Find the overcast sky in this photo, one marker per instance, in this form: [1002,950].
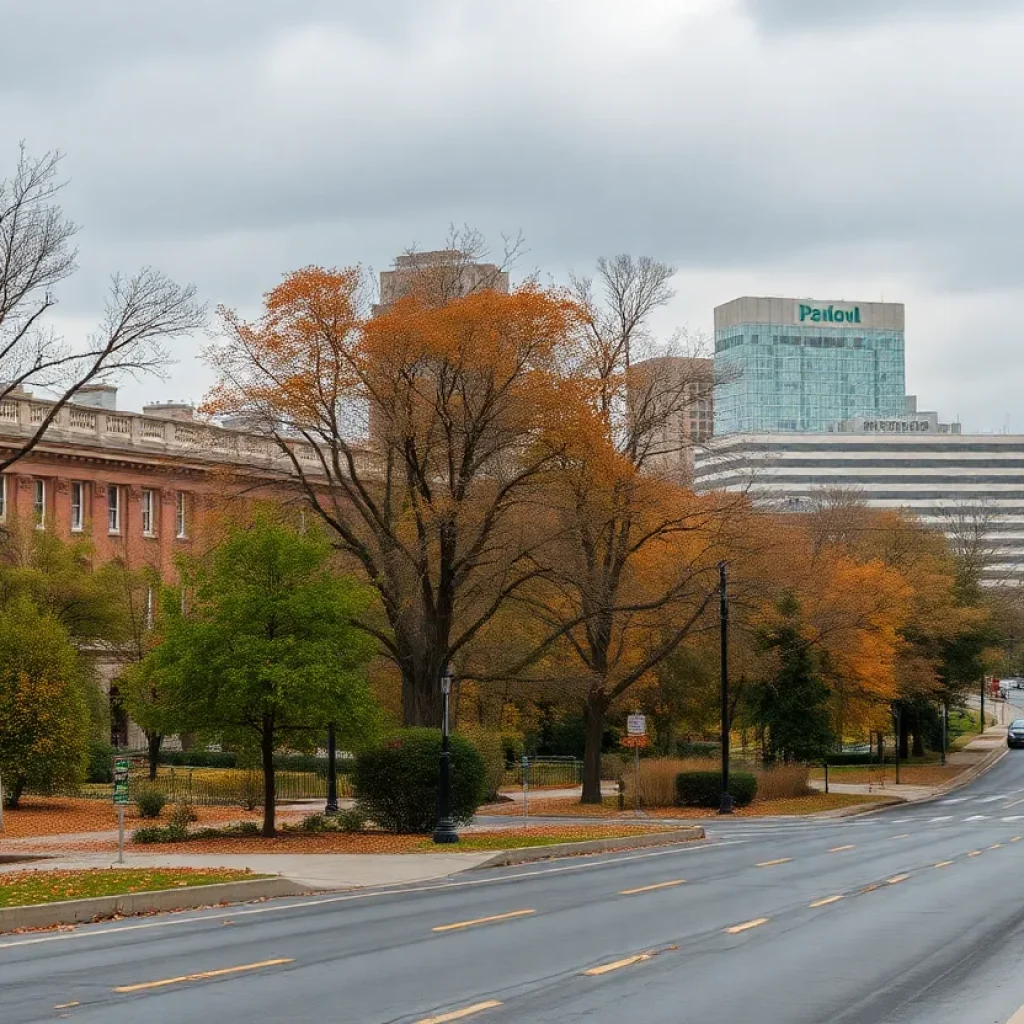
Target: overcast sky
[857,149]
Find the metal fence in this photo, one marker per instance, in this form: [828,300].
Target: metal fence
[233,787]
[546,771]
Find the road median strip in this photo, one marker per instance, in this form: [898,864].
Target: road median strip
[662,837]
[47,915]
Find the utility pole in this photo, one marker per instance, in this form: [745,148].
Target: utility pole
[723,615]
[981,724]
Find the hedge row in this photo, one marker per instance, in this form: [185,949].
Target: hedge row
[704,789]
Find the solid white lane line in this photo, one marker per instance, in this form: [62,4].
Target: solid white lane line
[954,800]
[1012,817]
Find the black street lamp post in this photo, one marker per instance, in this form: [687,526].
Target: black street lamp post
[445,831]
[332,772]
[723,613]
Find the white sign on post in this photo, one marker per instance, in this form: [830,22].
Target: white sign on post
[636,725]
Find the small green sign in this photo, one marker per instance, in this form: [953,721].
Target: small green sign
[122,765]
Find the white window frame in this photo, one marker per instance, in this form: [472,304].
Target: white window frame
[181,515]
[77,524]
[39,503]
[148,506]
[3,498]
[113,509]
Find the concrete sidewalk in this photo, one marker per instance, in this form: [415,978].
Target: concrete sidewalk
[977,755]
[320,871]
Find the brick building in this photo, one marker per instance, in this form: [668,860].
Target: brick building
[139,485]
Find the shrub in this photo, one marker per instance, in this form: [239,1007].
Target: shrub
[101,768]
[856,759]
[490,747]
[351,820]
[182,815]
[658,779]
[704,788]
[514,747]
[150,801]
[240,828]
[396,783]
[782,781]
[198,758]
[160,834]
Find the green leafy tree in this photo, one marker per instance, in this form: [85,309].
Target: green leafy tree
[793,703]
[44,716]
[265,653]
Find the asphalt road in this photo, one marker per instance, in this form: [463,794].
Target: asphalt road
[912,915]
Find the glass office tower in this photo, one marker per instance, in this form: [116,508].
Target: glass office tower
[805,364]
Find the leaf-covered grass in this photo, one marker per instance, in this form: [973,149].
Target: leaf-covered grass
[513,840]
[23,888]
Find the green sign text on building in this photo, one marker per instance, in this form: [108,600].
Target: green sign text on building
[830,315]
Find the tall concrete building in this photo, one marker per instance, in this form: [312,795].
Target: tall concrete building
[679,394]
[443,275]
[806,364]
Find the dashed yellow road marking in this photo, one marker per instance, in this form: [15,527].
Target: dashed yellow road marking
[1016,839]
[826,900]
[896,879]
[996,846]
[746,926]
[482,920]
[943,863]
[202,975]
[466,1011]
[871,888]
[902,835]
[616,965]
[66,1006]
[974,853]
[839,849]
[651,888]
[772,863]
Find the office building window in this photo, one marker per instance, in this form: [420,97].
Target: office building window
[147,513]
[113,508]
[182,514]
[77,506]
[39,504]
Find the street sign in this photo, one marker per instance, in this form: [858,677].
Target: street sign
[636,725]
[122,765]
[634,741]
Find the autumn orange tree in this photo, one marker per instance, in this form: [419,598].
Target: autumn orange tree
[630,565]
[419,435]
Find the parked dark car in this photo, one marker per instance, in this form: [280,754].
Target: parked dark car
[1015,733]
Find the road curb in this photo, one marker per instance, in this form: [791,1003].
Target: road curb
[46,915]
[508,858]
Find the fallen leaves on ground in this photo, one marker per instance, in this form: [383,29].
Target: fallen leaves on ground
[48,816]
[609,808]
[885,775]
[27,887]
[383,842]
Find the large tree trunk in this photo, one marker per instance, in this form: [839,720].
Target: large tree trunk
[269,789]
[904,746]
[421,696]
[917,748]
[153,741]
[13,791]
[596,707]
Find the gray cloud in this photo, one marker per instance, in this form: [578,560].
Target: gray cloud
[811,15]
[229,142]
